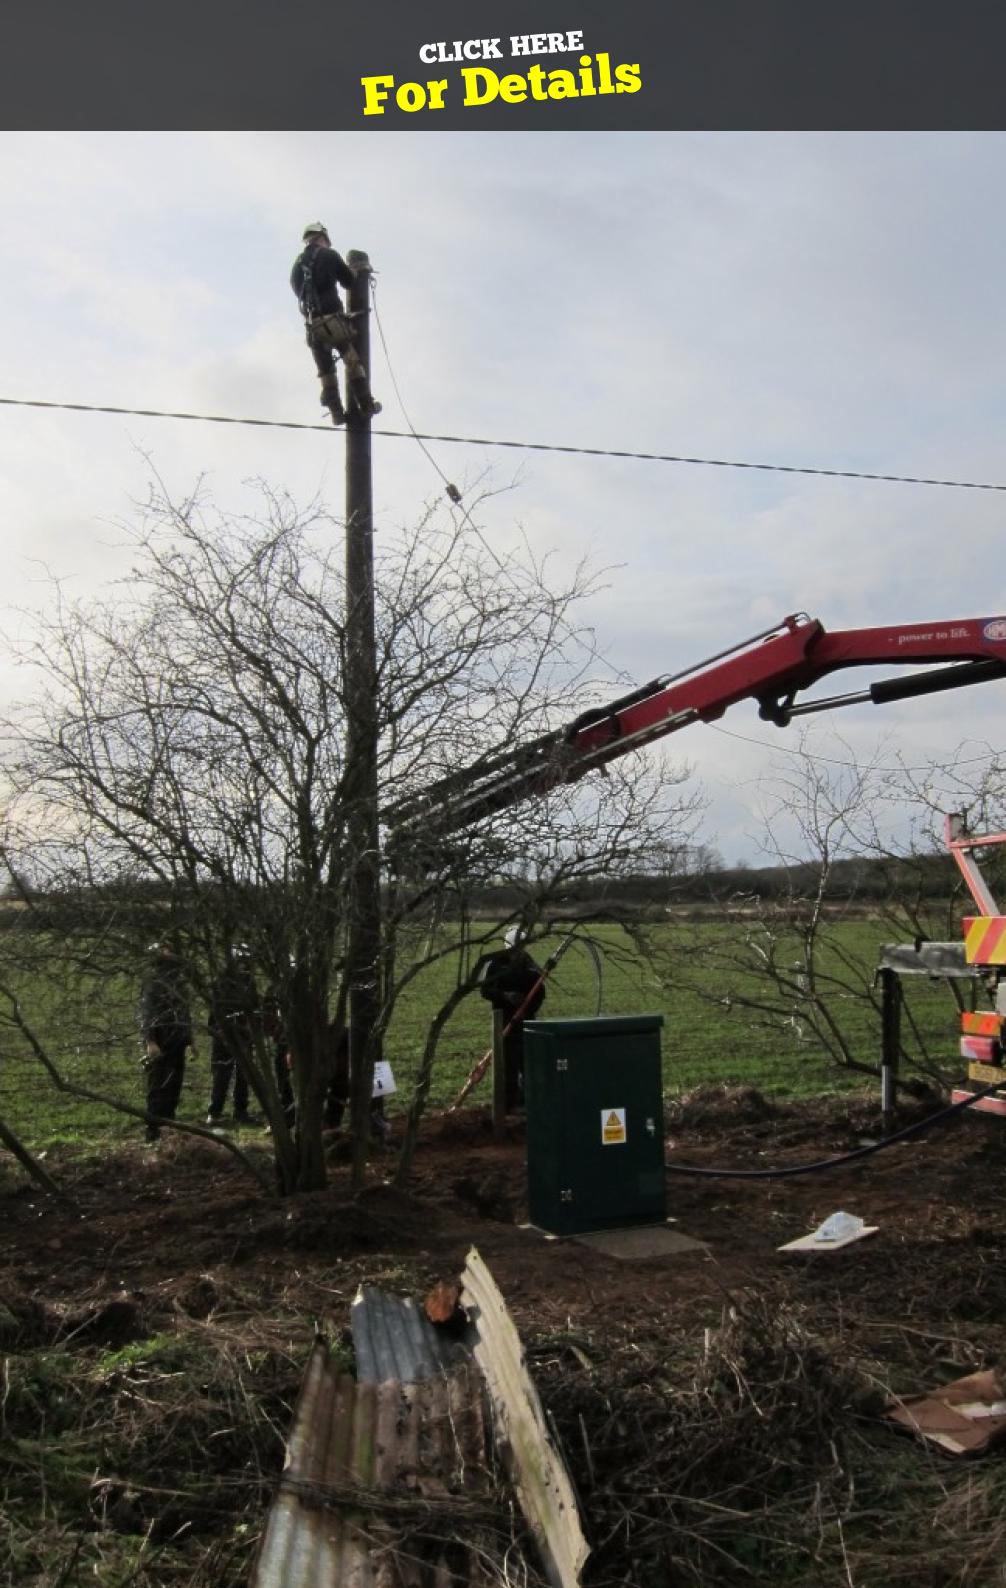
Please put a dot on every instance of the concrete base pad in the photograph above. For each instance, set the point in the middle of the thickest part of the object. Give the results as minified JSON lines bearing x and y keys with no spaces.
{"x":644,"y":1240}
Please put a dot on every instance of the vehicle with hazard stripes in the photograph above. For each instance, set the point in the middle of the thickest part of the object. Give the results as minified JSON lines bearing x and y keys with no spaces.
{"x":982,"y":1038}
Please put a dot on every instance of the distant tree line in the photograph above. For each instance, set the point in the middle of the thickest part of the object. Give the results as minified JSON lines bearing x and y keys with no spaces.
{"x":932,"y":877}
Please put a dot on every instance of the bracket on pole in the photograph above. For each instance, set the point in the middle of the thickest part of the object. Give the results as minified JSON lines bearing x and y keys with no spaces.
{"x":961,"y":844}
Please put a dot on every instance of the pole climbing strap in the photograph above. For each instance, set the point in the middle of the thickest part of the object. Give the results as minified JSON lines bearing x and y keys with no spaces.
{"x":330,"y":330}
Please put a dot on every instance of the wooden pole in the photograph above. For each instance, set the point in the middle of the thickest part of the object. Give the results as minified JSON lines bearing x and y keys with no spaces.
{"x":362,"y":728}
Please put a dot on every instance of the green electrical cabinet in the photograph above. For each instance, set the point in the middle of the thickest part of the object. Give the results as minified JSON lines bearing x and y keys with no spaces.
{"x":595,"y":1136}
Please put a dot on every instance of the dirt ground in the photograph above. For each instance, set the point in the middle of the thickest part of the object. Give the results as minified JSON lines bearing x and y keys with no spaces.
{"x":148,"y":1222}
{"x":159,"y":1236}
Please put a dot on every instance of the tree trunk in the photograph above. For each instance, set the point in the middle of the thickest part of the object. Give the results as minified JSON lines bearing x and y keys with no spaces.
{"x":422,"y":1091}
{"x":27,"y":1162}
{"x":262,"y":1081}
{"x":311,"y":1066}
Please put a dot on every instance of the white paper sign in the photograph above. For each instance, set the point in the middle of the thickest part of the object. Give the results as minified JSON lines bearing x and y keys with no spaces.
{"x":384,"y":1081}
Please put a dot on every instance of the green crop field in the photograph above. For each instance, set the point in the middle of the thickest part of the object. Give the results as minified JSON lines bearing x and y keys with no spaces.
{"x":707,"y":1036}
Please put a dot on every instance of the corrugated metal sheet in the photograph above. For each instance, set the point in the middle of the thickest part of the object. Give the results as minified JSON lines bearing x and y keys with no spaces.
{"x":393,"y":1338}
{"x":368,"y":1464}
{"x":536,"y":1468}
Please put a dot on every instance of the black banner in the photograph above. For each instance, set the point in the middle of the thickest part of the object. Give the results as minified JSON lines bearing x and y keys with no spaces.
{"x":539,"y":64}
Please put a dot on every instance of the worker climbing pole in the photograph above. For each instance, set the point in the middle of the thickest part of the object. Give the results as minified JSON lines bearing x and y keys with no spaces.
{"x":318,"y":273}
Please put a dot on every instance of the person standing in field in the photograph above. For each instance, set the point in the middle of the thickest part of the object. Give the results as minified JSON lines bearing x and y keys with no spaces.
{"x":234,"y":1011}
{"x":507,"y":980}
{"x":166,"y":1033}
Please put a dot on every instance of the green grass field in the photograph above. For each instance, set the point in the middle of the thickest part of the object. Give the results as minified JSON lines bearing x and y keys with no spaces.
{"x":704,"y":1039}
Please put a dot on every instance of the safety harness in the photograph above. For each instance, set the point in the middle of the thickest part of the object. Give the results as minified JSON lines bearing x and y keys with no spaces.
{"x":310,"y":303}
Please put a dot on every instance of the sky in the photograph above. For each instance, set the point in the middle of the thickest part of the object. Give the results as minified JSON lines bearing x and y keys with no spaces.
{"x":800,"y":298}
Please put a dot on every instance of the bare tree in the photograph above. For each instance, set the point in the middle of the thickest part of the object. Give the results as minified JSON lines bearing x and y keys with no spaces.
{"x":855,"y":857}
{"x":27,"y":1160}
{"x":180,"y":768}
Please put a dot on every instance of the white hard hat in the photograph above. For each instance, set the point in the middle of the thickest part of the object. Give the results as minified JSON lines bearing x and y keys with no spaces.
{"x":511,"y":936}
{"x":315,"y":229}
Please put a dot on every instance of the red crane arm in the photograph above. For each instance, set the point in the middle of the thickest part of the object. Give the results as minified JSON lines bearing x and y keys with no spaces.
{"x":772,"y":668}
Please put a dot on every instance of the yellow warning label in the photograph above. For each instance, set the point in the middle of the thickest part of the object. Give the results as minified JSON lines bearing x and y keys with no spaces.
{"x":986,"y":1072}
{"x":612,"y":1126}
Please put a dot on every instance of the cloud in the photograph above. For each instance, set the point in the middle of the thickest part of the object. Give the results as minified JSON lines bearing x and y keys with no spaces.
{"x":799,"y":298}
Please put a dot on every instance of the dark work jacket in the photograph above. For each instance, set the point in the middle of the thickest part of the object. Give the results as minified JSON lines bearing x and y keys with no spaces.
{"x":316,"y":277}
{"x":233,"y":1004}
{"x":164,"y":1008}
{"x":507,"y":980}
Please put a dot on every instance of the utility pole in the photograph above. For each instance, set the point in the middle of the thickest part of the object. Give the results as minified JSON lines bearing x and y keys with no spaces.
{"x":363,"y":833}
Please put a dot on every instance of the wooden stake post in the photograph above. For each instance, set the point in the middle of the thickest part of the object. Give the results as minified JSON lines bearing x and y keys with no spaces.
{"x":890,"y":1052}
{"x":499,"y":1069}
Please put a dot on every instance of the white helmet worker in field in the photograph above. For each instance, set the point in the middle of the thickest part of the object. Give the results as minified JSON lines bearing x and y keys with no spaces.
{"x":510,"y":978}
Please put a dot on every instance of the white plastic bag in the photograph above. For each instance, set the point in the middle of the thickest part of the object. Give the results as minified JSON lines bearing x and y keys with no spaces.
{"x":838,"y":1227}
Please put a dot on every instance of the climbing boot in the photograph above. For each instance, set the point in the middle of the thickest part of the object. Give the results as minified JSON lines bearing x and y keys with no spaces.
{"x":331,"y":400}
{"x":362,"y":399}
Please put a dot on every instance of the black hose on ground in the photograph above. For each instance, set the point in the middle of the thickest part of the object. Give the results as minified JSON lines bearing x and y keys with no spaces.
{"x":845,"y":1157}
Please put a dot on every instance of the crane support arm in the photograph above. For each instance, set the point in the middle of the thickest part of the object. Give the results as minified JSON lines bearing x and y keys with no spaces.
{"x":772,"y":668}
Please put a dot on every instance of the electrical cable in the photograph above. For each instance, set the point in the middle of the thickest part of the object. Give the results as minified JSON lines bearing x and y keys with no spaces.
{"x":520,"y":446}
{"x":851,"y":766}
{"x":846,"y":1157}
{"x":454,"y":494}
{"x":451,"y":489}
{"x":532,"y":446}
{"x":536,"y":446}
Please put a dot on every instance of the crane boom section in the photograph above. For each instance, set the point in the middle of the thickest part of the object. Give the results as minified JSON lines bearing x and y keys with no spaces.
{"x":772,"y":667}
{"x":967,"y":639}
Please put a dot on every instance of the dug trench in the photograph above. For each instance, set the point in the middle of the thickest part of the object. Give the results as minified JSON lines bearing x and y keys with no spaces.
{"x":719,"y":1408}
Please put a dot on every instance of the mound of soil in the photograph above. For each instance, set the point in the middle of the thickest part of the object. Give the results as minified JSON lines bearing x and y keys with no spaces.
{"x":715,"y":1105}
{"x":175,"y":1242}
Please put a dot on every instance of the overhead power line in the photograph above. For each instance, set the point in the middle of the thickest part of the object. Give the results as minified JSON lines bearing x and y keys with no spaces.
{"x":852,"y":766}
{"x":520,"y":446}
